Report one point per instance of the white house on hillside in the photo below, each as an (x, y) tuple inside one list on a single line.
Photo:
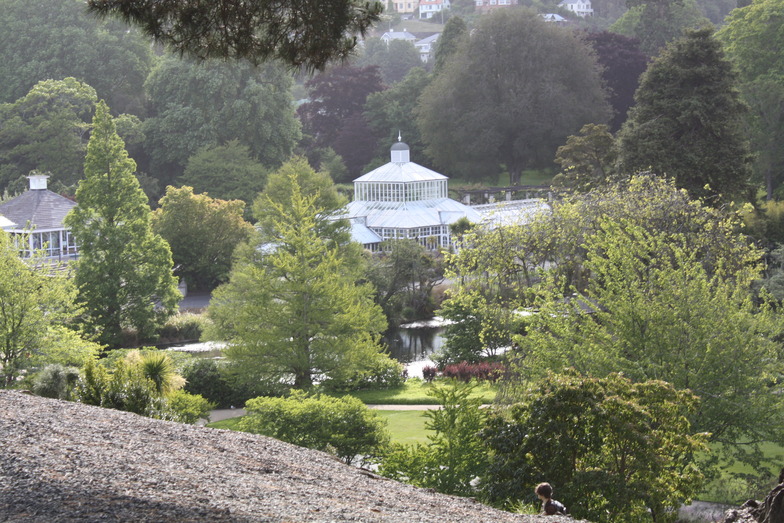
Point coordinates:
[(398, 35), (579, 7), (429, 8), (36, 221), (402, 199), (427, 46)]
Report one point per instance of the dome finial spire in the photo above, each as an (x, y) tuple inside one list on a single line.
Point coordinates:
[(399, 136)]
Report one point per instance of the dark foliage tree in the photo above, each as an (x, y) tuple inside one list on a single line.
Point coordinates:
[(58, 39), (337, 101), (124, 271), (193, 105), (510, 96), (622, 63), (391, 113), (587, 159), (404, 274), (687, 123), (46, 130), (298, 32)]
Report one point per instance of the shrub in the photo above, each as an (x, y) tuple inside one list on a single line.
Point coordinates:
[(429, 373), (343, 426), (56, 381), (482, 371), (183, 327), (204, 377), (189, 408), (382, 373)]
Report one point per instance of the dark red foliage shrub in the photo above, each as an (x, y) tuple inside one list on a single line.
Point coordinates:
[(429, 373), (482, 371)]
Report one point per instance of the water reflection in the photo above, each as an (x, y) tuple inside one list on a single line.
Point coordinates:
[(412, 344)]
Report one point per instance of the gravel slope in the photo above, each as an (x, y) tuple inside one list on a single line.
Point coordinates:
[(62, 461)]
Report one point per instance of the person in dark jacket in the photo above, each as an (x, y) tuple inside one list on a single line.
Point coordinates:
[(550, 507)]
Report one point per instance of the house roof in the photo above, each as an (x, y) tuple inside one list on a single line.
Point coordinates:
[(409, 215), (360, 233), (429, 40), (38, 209), (398, 35), (553, 17), (5, 223), (400, 172)]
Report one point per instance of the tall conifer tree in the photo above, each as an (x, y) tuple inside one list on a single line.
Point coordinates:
[(687, 123), (124, 273)]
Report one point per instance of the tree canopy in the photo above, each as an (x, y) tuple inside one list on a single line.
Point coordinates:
[(333, 116), (193, 105), (124, 270), (202, 233), (687, 122), (510, 96), (227, 172), (298, 32), (752, 40), (46, 130), (60, 39)]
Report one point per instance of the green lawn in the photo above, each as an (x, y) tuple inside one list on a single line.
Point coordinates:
[(414, 392), (405, 426)]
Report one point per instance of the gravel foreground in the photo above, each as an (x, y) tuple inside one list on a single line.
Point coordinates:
[(63, 461)]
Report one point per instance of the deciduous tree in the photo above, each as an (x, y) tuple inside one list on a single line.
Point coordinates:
[(619, 451), (687, 123), (510, 96), (337, 99), (657, 22), (293, 310), (193, 105), (652, 311), (33, 307), (124, 271), (622, 64), (202, 233), (227, 171), (46, 130), (751, 38)]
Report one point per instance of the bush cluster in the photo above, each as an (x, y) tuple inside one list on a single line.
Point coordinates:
[(465, 371)]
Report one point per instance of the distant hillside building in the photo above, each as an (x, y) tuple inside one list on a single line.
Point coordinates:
[(36, 221), (579, 7), (403, 199), (484, 6)]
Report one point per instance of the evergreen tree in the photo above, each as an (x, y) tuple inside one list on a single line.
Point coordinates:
[(687, 123), (124, 272)]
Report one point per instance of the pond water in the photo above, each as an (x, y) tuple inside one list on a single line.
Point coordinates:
[(410, 344)]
